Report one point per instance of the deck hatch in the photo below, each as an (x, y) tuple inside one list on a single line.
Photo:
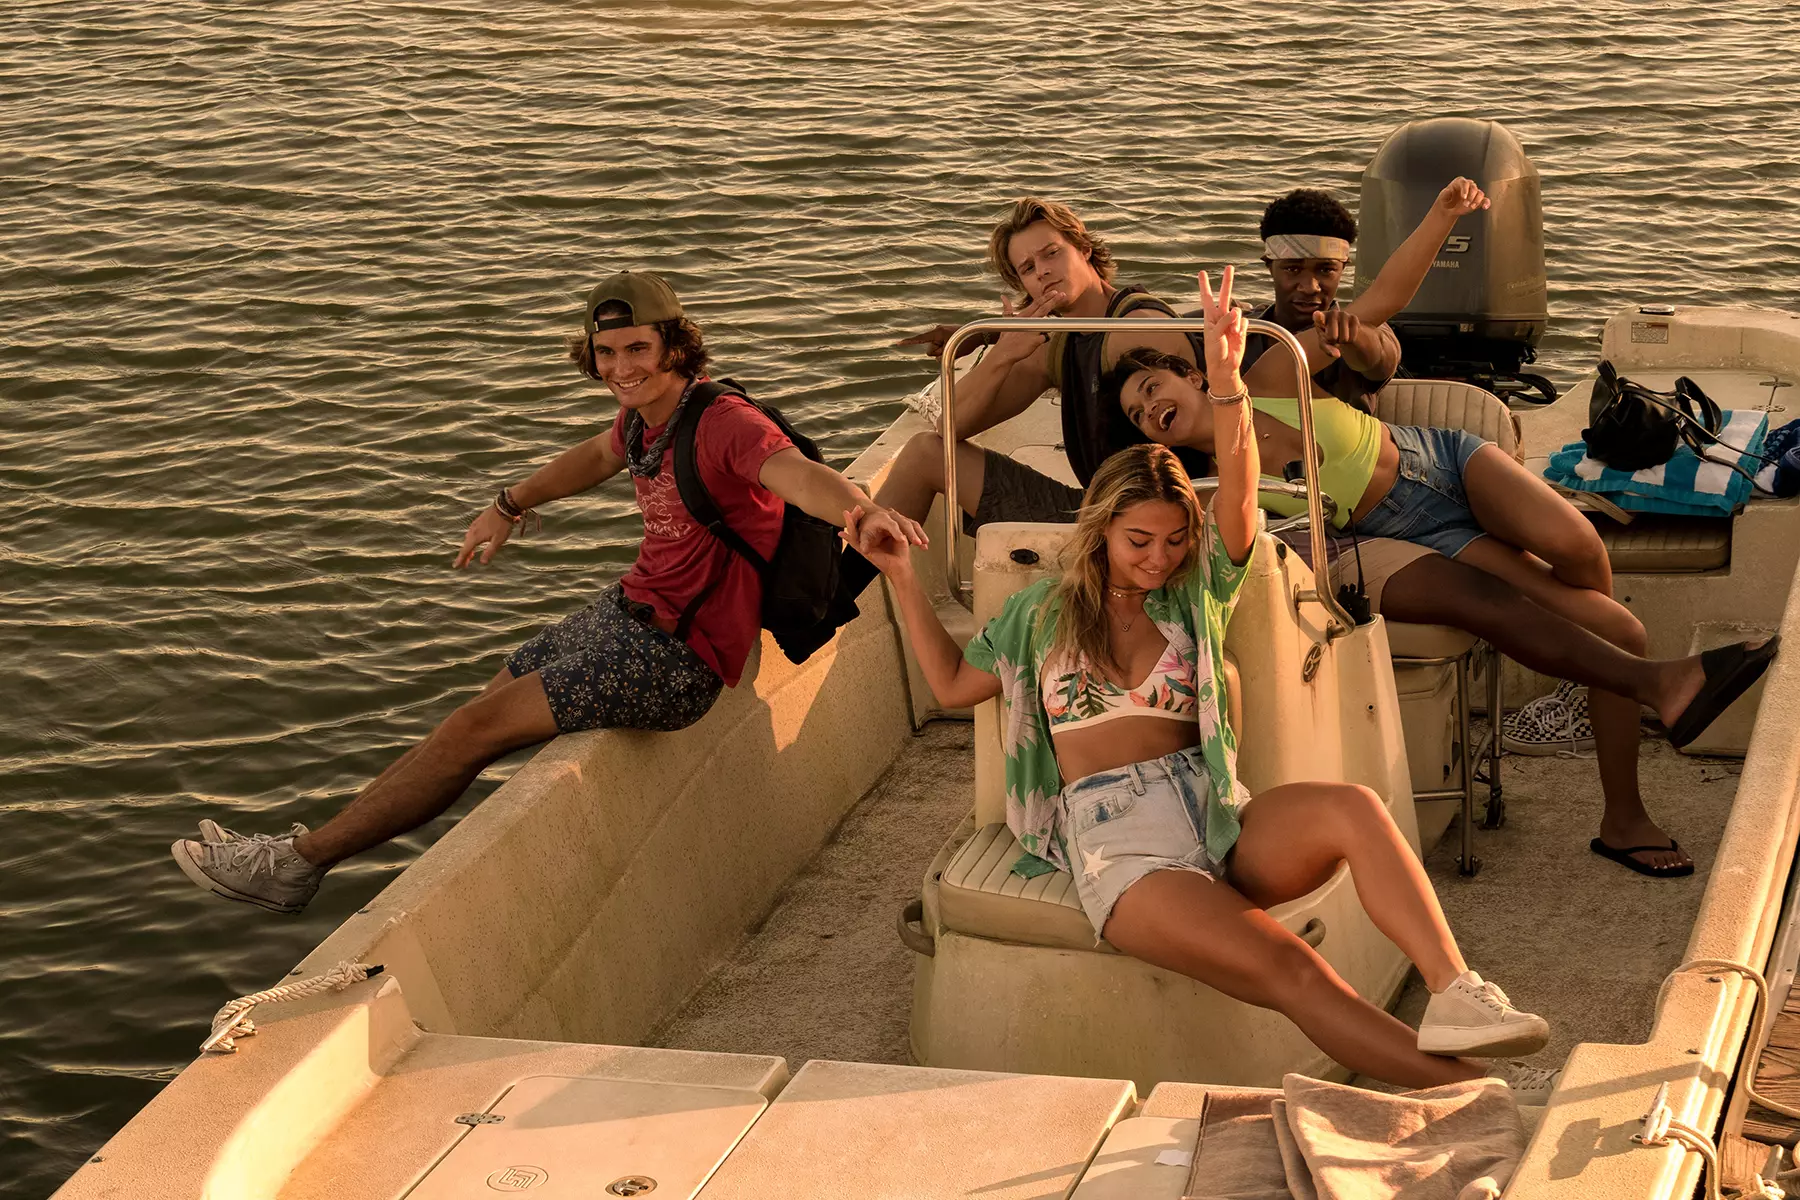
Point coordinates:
[(559, 1137)]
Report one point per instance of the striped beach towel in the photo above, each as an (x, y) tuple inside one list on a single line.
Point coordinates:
[(1686, 484)]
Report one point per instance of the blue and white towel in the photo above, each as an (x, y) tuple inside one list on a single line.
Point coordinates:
[(1686, 484)]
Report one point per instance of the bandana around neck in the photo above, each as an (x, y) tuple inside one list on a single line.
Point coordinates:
[(645, 461), (1305, 245)]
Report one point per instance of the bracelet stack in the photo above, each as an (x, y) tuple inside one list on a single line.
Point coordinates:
[(503, 504), (1236, 400)]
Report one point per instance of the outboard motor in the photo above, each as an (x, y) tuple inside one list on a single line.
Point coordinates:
[(1483, 306)]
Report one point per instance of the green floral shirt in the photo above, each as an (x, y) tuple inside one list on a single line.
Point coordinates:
[(1013, 646)]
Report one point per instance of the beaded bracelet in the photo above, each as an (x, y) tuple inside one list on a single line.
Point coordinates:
[(1237, 397)]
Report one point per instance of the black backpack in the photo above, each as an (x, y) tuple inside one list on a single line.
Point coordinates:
[(800, 579), (1631, 427)]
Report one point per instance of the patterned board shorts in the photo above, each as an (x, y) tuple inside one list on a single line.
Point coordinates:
[(1012, 491), (608, 667)]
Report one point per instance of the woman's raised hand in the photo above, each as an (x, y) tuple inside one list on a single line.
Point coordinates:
[(1225, 330), (1460, 197)]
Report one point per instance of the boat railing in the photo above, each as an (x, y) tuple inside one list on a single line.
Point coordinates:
[(1338, 622)]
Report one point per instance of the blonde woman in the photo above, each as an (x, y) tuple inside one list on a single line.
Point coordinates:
[(1502, 556), (1121, 769)]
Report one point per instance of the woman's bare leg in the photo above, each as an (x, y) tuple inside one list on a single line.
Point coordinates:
[(1185, 922), (1295, 836)]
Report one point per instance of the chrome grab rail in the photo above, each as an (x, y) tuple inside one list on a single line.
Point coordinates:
[(1338, 622)]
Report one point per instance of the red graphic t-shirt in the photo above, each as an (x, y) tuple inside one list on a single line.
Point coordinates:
[(678, 558)]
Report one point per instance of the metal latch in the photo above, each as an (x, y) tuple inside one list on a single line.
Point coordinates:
[(474, 1119)]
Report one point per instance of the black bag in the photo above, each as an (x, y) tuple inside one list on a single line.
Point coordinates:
[(1632, 427), (800, 579)]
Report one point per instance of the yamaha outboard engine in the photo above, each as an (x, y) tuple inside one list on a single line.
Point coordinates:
[(1482, 308)]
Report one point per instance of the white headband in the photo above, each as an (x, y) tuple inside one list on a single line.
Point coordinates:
[(1305, 245)]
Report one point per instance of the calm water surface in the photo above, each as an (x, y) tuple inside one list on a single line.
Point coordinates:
[(284, 288)]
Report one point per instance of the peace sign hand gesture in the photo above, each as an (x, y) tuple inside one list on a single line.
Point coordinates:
[(1224, 336)]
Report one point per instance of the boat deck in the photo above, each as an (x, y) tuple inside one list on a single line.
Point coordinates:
[(1778, 1078), (825, 976)]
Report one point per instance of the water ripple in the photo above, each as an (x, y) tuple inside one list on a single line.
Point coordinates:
[(286, 286)]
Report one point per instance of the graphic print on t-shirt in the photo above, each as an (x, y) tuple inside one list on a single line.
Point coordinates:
[(679, 560)]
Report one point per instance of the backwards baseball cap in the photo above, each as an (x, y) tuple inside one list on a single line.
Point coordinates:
[(647, 300)]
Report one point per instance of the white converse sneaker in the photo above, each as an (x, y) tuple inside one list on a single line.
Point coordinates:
[(258, 868), (1553, 724), (1530, 1085), (1472, 1016), (212, 831)]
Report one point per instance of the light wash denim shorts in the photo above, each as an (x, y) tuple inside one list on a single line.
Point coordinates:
[(1124, 824), (1427, 504)]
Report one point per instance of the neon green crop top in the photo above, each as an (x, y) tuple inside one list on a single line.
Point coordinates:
[(1350, 442)]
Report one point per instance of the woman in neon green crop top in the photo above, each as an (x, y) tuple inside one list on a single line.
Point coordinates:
[(1445, 489), (1172, 862)]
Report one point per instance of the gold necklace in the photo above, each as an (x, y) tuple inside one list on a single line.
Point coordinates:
[(1124, 625)]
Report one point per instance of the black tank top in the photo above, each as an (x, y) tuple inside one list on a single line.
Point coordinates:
[(1094, 431)]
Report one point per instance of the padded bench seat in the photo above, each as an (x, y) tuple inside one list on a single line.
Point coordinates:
[(1664, 544), (1406, 640), (979, 895)]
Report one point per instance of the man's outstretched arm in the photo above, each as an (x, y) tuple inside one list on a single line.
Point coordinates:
[(570, 473), (828, 495)]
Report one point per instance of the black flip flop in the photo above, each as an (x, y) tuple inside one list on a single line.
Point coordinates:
[(1624, 859), (1730, 670)]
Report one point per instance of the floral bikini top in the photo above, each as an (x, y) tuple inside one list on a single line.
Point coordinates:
[(1078, 696)]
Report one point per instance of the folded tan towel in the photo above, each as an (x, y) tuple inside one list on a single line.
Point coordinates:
[(1237, 1157), (1461, 1141), (1293, 1163)]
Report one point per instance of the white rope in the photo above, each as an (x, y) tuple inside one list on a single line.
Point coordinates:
[(1759, 1031), (1660, 1128), (233, 1021)]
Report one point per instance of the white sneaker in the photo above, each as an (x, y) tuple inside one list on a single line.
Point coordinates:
[(212, 831), (1530, 1085), (1472, 1016), (258, 868), (1553, 724)]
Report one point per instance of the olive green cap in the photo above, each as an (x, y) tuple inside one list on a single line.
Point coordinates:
[(648, 298)]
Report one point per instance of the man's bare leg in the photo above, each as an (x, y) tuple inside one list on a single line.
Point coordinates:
[(508, 715), (1569, 633), (916, 477), (1435, 590), (498, 681)]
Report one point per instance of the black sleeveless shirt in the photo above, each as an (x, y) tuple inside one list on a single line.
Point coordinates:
[(1093, 431)]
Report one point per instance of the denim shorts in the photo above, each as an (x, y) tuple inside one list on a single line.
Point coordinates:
[(1124, 824), (608, 667), (1427, 504)]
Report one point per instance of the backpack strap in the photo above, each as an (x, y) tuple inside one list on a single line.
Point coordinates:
[(697, 500)]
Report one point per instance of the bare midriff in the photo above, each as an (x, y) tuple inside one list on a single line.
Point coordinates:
[(1280, 443), (1120, 742)]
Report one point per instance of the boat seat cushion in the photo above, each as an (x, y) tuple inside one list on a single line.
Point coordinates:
[(979, 895), (1660, 544), (1449, 404), (1406, 640)]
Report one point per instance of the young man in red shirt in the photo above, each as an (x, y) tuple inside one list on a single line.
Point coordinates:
[(651, 652)]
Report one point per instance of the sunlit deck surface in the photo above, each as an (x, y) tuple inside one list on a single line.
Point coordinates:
[(1567, 934)]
